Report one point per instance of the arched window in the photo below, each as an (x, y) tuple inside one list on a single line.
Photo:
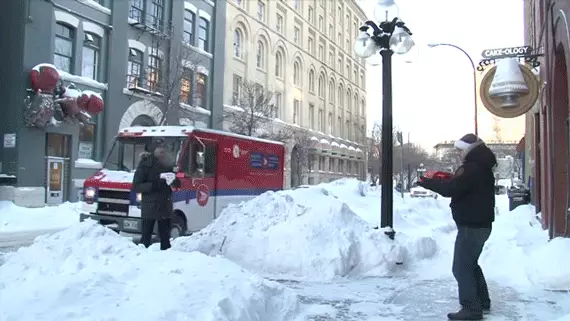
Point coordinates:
[(331, 91), (363, 107), (340, 96), (238, 43), (260, 55), (348, 101), (311, 81), (279, 64), (297, 73), (355, 103), (321, 86)]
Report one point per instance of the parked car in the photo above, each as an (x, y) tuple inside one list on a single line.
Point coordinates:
[(418, 191)]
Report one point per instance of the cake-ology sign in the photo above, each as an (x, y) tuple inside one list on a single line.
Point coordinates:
[(506, 52)]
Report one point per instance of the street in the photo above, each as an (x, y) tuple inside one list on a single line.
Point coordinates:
[(12, 241), (401, 297)]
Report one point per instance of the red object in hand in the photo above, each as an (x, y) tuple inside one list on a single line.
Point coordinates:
[(438, 175), (44, 78)]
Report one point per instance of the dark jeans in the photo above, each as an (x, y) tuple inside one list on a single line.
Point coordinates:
[(163, 232), (473, 292)]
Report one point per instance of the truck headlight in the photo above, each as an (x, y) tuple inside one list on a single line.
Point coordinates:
[(89, 195), (139, 197)]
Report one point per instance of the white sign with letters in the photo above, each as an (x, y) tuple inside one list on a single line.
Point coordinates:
[(9, 140)]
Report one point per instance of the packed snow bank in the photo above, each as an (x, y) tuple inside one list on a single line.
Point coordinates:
[(14, 218), (305, 233), (88, 272), (520, 253)]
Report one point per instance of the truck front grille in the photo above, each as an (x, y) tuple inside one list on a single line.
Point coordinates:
[(113, 202)]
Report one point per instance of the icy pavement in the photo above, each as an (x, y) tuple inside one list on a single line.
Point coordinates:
[(403, 299)]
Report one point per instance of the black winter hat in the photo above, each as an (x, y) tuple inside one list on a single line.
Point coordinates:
[(466, 141), (154, 144)]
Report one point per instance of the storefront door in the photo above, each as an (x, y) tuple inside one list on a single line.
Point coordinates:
[(57, 167)]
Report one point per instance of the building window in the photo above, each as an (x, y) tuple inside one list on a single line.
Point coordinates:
[(203, 34), (355, 75), (188, 36), (356, 103), (321, 23), (331, 92), (201, 90), (296, 4), (134, 68), (277, 105), (86, 141), (297, 73), (63, 53), (312, 81), (186, 86), (362, 80), (321, 120), (321, 53), (311, 12), (331, 59), (297, 36), (330, 123), (279, 23), (156, 10), (311, 45), (348, 101), (362, 108), (279, 65), (339, 120), (90, 57), (321, 86), (260, 55), (340, 96), (136, 10), (339, 39), (154, 76), (331, 32), (348, 131), (236, 90), (296, 111), (238, 40), (261, 10), (312, 116)]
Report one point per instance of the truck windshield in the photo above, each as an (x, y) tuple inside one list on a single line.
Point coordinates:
[(126, 152)]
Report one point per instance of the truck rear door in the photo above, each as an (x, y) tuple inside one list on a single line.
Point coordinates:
[(199, 183)]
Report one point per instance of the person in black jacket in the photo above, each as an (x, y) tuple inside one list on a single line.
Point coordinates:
[(472, 192), (156, 201)]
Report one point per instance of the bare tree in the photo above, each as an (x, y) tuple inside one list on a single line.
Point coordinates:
[(374, 148), (175, 83), (253, 111), (302, 159)]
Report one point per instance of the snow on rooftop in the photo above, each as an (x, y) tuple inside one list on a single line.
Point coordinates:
[(158, 131), (324, 141)]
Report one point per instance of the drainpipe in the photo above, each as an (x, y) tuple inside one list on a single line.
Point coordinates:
[(552, 217)]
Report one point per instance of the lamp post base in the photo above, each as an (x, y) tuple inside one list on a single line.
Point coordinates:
[(391, 234)]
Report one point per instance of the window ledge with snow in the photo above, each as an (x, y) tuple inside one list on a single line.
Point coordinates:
[(7, 176), (82, 80), (96, 6), (199, 50), (198, 110), (88, 164)]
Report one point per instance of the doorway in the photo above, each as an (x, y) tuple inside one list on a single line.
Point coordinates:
[(57, 168)]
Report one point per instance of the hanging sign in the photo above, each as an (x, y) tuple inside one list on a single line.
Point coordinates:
[(506, 52)]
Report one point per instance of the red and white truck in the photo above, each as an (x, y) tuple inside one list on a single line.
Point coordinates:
[(215, 168)]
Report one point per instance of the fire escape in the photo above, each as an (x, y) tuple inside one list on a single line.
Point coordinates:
[(149, 20)]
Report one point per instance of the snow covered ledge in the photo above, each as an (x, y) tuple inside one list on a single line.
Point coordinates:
[(29, 196), (87, 164)]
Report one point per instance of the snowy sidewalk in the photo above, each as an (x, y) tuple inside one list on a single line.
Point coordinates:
[(402, 299)]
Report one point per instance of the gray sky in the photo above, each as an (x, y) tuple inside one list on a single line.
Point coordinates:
[(433, 96)]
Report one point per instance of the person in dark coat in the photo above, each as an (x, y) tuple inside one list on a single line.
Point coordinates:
[(156, 201), (472, 192)]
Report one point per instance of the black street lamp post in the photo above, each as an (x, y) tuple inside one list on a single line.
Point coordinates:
[(388, 37)]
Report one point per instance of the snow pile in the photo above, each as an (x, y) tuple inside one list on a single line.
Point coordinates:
[(88, 272), (305, 233), (14, 218), (520, 253)]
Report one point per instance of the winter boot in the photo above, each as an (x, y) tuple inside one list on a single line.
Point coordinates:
[(465, 314)]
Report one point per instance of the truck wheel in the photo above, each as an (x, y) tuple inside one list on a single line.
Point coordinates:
[(178, 228)]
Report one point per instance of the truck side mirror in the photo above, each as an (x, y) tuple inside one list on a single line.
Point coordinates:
[(200, 158)]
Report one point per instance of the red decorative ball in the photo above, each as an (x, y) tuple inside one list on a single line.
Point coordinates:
[(44, 78), (82, 101), (95, 105)]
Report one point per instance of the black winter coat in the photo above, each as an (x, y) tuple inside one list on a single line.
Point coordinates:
[(156, 200), (472, 189)]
